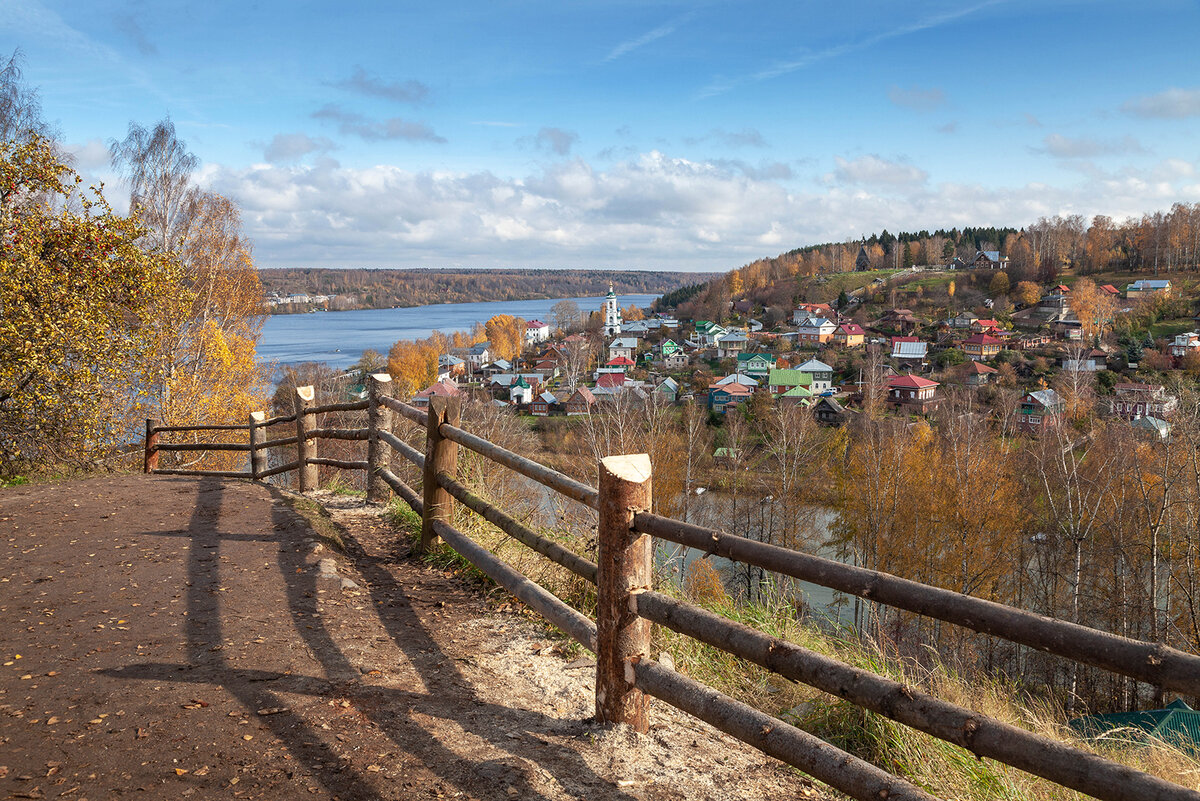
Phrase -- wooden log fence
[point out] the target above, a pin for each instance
(627, 605)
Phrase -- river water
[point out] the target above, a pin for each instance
(339, 338)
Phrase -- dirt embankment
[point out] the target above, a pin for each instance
(168, 638)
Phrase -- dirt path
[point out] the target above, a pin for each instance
(167, 638)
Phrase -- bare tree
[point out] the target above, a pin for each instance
(20, 106)
(566, 315)
(159, 167)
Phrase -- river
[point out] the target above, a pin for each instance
(339, 338)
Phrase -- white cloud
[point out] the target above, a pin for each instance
(285, 148)
(873, 170)
(651, 211)
(1173, 104)
(90, 155)
(556, 140)
(646, 38)
(1068, 147)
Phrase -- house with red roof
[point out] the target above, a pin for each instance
(986, 326)
(721, 397)
(912, 394)
(445, 389)
(536, 331)
(610, 380)
(1109, 289)
(981, 346)
(849, 335)
(621, 361)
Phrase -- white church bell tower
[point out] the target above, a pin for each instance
(612, 314)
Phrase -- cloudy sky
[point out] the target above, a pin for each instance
(604, 133)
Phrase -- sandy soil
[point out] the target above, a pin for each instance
(169, 637)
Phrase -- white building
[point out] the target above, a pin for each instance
(612, 314)
(535, 332)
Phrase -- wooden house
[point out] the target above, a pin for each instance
(913, 394)
(849, 335)
(544, 404)
(981, 347)
(581, 402)
(1040, 410)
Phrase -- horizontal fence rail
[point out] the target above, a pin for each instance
(1153, 663)
(627, 605)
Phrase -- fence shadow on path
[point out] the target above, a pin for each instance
(445, 693)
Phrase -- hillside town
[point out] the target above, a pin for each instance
(832, 357)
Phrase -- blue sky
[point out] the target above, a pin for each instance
(654, 135)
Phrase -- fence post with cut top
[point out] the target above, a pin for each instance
(306, 446)
(150, 464)
(258, 455)
(379, 418)
(622, 638)
(441, 456)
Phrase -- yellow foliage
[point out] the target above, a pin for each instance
(703, 585)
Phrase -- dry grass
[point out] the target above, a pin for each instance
(944, 769)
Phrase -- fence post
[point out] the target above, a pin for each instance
(625, 568)
(379, 418)
(306, 447)
(150, 464)
(258, 456)
(441, 456)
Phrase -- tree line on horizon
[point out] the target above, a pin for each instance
(384, 288)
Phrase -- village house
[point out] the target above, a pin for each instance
(1132, 401)
(912, 394)
(977, 374)
(636, 329)
(962, 320)
(477, 355)
(580, 402)
(1068, 330)
(667, 389)
(738, 378)
(1110, 290)
(1090, 361)
(780, 381)
(521, 391)
(796, 396)
(849, 335)
(1184, 344)
(623, 347)
(1039, 411)
(822, 375)
(723, 396)
(829, 412)
(497, 367)
(1146, 286)
(814, 330)
(986, 326)
(676, 361)
(450, 367)
(707, 333)
(989, 259)
(806, 310)
(981, 346)
(668, 347)
(543, 404)
(902, 320)
(730, 345)
(1032, 341)
(444, 389)
(757, 365)
(910, 350)
(1153, 427)
(536, 332)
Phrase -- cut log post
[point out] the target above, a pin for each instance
(151, 461)
(622, 638)
(306, 446)
(258, 455)
(379, 419)
(441, 456)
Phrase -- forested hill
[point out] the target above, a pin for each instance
(370, 289)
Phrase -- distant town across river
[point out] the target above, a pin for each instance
(339, 338)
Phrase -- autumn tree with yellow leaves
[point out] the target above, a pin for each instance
(506, 334)
(78, 295)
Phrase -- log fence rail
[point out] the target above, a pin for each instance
(627, 605)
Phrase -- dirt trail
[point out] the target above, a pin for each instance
(169, 637)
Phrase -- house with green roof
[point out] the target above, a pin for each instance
(1177, 725)
(758, 365)
(780, 380)
(708, 332)
(797, 396)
